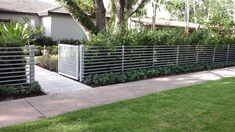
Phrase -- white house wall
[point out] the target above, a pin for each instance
(46, 23)
(64, 27)
(20, 17)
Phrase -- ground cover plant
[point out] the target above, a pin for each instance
(133, 75)
(204, 107)
(8, 92)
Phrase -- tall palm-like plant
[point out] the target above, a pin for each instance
(14, 34)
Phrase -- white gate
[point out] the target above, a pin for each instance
(68, 61)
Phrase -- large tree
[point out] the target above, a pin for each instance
(100, 12)
(124, 9)
(79, 11)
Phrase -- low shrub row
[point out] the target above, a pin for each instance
(11, 91)
(48, 41)
(39, 50)
(48, 61)
(133, 75)
(160, 36)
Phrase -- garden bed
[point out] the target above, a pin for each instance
(9, 92)
(47, 61)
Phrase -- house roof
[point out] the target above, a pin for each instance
(29, 6)
(148, 21)
(56, 10)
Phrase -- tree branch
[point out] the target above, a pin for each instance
(135, 7)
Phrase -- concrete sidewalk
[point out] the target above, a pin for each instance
(28, 109)
(53, 83)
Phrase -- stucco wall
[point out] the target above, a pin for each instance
(19, 17)
(56, 26)
(46, 23)
(64, 27)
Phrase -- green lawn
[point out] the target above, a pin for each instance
(206, 107)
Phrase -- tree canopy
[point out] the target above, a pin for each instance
(215, 13)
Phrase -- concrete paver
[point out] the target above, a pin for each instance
(70, 99)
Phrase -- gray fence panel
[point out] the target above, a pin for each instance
(17, 65)
(102, 60)
(99, 60)
(231, 55)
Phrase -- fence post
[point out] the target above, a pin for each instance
(81, 59)
(154, 52)
(123, 57)
(31, 64)
(44, 50)
(213, 59)
(177, 55)
(228, 46)
(197, 52)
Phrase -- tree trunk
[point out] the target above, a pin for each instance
(209, 11)
(100, 15)
(119, 18)
(194, 11)
(120, 6)
(187, 16)
(154, 14)
(234, 11)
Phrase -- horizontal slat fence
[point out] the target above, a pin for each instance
(99, 60)
(16, 65)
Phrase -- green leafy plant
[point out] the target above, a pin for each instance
(10, 91)
(70, 41)
(44, 41)
(162, 36)
(133, 75)
(14, 34)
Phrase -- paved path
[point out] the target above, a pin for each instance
(53, 83)
(28, 109)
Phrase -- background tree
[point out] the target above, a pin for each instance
(124, 9)
(156, 4)
(80, 16)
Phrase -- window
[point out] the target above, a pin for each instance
(3, 21)
(32, 23)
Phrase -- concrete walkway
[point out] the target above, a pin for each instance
(53, 83)
(28, 109)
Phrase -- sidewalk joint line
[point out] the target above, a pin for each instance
(35, 109)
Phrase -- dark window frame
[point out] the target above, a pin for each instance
(4, 21)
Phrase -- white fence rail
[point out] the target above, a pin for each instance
(17, 65)
(97, 60)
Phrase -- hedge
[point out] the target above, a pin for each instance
(134, 75)
(160, 36)
(12, 91)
